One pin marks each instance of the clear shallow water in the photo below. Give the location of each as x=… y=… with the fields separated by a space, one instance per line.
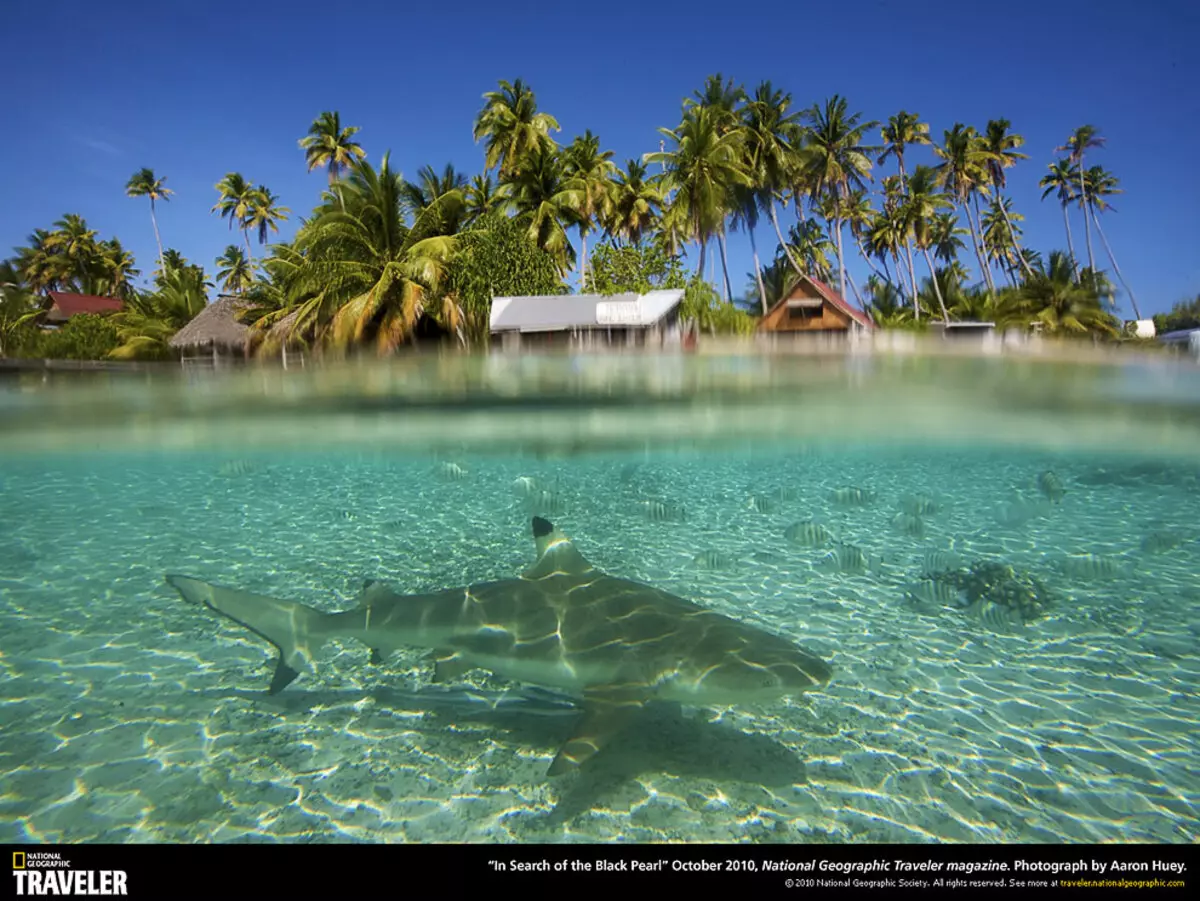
x=127 y=715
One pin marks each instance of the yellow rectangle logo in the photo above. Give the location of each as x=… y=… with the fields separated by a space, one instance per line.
x=18 y=860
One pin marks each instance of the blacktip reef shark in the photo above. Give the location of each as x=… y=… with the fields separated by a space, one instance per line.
x=563 y=624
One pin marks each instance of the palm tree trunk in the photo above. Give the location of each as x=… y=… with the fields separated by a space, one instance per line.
x=782 y=243
x=1012 y=235
x=863 y=253
x=583 y=262
x=937 y=289
x=249 y=255
x=912 y=278
x=984 y=258
x=1116 y=268
x=157 y=239
x=1087 y=229
x=841 y=259
x=974 y=243
x=1070 y=243
x=762 y=290
x=724 y=265
x=854 y=288
x=700 y=268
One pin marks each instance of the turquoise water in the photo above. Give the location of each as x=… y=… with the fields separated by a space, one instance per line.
x=128 y=715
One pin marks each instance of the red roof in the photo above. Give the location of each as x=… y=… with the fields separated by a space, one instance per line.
x=64 y=306
x=841 y=303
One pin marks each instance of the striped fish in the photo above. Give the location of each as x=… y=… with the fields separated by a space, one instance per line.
x=1090 y=566
x=919 y=505
x=937 y=562
x=546 y=502
x=908 y=524
x=937 y=592
x=761 y=503
x=997 y=617
x=231 y=468
x=450 y=472
x=659 y=511
x=715 y=561
x=808 y=534
x=848 y=558
x=852 y=496
x=1160 y=541
x=1051 y=486
x=524 y=486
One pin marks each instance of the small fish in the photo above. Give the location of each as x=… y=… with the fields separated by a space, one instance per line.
x=787 y=493
x=761 y=503
x=451 y=472
x=658 y=511
x=1160 y=541
x=919 y=505
x=938 y=592
x=1020 y=510
x=348 y=515
x=997 y=617
x=524 y=486
x=848 y=558
x=852 y=496
x=546 y=502
x=1090 y=566
x=908 y=524
x=715 y=561
x=1051 y=486
x=237 y=468
x=808 y=534
x=937 y=562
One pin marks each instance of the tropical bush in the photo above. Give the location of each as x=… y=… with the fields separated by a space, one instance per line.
x=87 y=336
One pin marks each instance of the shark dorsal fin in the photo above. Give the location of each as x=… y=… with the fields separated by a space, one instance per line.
x=556 y=553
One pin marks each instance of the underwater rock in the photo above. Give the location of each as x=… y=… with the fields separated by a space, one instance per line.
x=1026 y=598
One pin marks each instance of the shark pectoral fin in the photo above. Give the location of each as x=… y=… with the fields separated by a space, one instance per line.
x=376 y=657
x=606 y=712
x=448 y=666
x=288 y=625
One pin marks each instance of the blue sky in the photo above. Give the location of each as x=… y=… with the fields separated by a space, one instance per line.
x=196 y=90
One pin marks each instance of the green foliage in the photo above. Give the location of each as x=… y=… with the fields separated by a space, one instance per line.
x=704 y=306
x=496 y=258
x=84 y=337
x=1184 y=315
x=637 y=268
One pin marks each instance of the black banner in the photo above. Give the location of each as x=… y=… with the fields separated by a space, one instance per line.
x=239 y=870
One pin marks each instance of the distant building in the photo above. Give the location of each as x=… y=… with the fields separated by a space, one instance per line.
x=587 y=320
x=215 y=334
x=63 y=306
x=812 y=307
x=1185 y=339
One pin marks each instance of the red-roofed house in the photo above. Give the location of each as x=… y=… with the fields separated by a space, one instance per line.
x=813 y=306
x=63 y=306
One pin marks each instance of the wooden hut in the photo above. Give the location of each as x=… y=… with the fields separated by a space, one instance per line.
x=813 y=307
x=214 y=334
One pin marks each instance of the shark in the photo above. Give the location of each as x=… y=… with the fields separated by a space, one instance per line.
x=562 y=624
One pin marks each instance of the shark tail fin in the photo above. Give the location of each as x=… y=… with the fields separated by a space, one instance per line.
x=288 y=625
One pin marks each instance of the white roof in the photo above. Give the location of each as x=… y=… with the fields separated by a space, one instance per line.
x=563 y=312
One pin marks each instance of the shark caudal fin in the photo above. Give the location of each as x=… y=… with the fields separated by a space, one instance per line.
x=286 y=624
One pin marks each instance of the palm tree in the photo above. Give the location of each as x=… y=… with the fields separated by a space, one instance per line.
x=512 y=127
x=482 y=196
x=234 y=271
x=547 y=203
x=149 y=320
x=1063 y=303
x=1084 y=138
x=808 y=243
x=835 y=159
x=701 y=170
x=963 y=174
x=264 y=214
x=235 y=203
x=330 y=145
x=1099 y=184
x=921 y=209
x=144 y=183
x=1061 y=182
x=635 y=204
x=590 y=172
x=904 y=130
x=430 y=187
x=1001 y=236
x=1001 y=153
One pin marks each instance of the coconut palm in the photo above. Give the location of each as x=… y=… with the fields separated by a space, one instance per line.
x=921 y=208
x=1099 y=185
x=145 y=183
x=1064 y=304
x=1000 y=148
x=235 y=202
x=964 y=175
x=835 y=159
x=635 y=204
x=945 y=237
x=1084 y=138
x=904 y=130
x=772 y=135
x=547 y=203
x=590 y=171
x=330 y=145
x=1061 y=182
x=512 y=128
x=264 y=214
x=234 y=271
x=1001 y=235
x=148 y=321
x=701 y=171
x=430 y=187
x=482 y=197
x=809 y=243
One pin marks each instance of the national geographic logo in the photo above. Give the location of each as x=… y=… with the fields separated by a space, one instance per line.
x=47 y=873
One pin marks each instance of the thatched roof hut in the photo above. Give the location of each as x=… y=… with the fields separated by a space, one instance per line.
x=216 y=326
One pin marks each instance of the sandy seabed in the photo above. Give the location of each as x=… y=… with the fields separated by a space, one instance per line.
x=127 y=715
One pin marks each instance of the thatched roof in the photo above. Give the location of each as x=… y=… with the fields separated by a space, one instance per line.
x=215 y=324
